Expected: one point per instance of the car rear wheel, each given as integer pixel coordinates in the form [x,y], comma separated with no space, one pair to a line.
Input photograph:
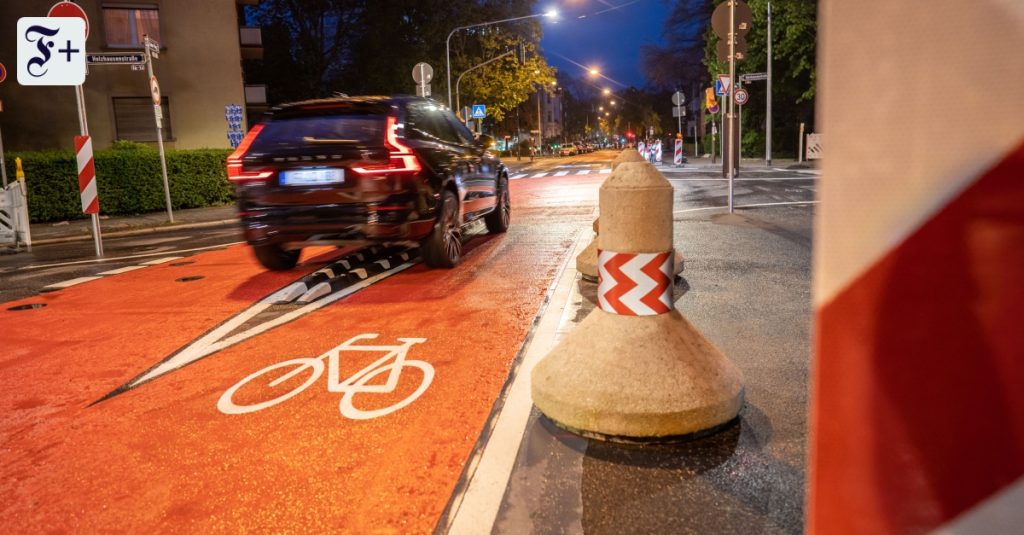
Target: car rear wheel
[498,220]
[276,258]
[443,247]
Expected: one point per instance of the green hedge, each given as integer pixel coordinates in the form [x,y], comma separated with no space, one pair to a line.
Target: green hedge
[129,181]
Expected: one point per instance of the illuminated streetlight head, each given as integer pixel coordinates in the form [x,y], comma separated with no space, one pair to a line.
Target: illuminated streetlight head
[606,91]
[594,71]
[600,108]
[551,13]
[612,103]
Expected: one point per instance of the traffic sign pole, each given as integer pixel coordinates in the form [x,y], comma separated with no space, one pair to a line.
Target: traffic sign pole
[158,116]
[732,77]
[768,125]
[83,127]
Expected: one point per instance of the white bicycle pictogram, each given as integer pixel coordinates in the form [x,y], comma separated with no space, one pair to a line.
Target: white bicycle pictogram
[356,384]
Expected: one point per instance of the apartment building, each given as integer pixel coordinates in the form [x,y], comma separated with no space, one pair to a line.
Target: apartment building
[202,45]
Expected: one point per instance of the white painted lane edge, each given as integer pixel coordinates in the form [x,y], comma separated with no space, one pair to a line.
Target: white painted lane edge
[119,271]
[539,175]
[702,208]
[70,283]
[562,173]
[164,260]
[482,495]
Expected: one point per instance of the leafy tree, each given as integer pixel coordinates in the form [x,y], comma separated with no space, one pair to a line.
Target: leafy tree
[316,47]
[794,29]
[306,45]
[679,64]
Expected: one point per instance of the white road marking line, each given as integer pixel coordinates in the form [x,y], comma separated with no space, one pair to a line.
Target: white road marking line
[738,206]
[214,341]
[562,173]
[584,172]
[605,171]
[119,271]
[479,503]
[538,175]
[129,257]
[517,176]
[164,260]
[771,179]
[70,283]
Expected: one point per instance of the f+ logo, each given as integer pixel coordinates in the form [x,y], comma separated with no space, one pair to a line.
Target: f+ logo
[50,51]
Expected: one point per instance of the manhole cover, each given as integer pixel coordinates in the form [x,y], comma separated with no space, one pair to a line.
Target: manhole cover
[28,306]
[189,279]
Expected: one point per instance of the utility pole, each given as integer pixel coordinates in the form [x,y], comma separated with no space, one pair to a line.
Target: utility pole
[732,80]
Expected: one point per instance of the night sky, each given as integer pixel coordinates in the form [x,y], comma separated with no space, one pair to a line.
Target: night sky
[610,40]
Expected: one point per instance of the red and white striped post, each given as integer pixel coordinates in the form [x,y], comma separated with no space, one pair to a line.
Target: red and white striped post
[87,187]
[917,413]
[677,156]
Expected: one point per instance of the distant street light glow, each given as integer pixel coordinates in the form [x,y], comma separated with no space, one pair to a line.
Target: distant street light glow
[551,13]
[594,71]
[607,91]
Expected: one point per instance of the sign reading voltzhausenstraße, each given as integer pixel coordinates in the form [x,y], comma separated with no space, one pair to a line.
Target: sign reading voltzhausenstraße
[115,59]
[754,77]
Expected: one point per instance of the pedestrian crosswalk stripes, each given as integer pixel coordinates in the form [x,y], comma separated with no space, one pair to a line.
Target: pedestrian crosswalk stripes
[555,172]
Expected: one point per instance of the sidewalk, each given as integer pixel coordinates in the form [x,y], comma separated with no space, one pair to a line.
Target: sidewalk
[79,229]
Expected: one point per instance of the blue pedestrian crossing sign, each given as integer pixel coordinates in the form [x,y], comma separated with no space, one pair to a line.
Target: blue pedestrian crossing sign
[479,111]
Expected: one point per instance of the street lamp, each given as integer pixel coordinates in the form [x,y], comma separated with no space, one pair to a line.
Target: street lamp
[594,72]
[447,43]
[607,91]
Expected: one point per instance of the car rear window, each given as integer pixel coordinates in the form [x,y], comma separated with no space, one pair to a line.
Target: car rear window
[291,132]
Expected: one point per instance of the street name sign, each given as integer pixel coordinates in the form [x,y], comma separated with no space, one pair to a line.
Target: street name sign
[754,77]
[111,58]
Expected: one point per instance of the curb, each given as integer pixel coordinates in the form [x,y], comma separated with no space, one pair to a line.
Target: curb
[134,231]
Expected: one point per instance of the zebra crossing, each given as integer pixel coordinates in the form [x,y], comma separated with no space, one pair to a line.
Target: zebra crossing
[556,172]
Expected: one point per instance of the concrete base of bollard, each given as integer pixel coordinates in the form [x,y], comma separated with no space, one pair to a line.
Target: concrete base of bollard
[649,377]
[586,262]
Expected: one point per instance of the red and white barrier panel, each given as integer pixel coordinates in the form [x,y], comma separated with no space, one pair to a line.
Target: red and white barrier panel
[677,156]
[86,175]
[917,415]
[634,284]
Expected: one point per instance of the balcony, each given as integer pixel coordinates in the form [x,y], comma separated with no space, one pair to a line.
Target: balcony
[250,39]
[256,95]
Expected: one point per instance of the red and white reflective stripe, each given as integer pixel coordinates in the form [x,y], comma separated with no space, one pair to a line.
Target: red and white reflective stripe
[634,284]
[86,175]
[678,156]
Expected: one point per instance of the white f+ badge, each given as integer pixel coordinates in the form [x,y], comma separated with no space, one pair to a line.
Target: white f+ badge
[51,51]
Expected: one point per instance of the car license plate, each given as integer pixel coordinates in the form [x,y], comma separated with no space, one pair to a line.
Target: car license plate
[312,177]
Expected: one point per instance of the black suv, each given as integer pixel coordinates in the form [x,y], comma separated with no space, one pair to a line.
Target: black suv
[362,170]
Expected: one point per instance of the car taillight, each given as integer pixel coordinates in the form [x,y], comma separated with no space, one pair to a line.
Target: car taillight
[235,171]
[401,158]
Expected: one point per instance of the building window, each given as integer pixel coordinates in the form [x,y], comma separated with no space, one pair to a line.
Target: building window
[125,26]
[134,119]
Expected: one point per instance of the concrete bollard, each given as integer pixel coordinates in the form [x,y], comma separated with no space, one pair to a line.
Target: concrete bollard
[635,367]
[586,261]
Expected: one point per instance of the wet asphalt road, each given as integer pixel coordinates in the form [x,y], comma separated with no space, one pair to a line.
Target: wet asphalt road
[27,273]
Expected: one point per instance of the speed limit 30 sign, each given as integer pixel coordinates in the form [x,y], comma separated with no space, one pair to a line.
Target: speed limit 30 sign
[741,97]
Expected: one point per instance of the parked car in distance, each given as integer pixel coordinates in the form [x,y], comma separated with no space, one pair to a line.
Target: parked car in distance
[359,170]
[567,149]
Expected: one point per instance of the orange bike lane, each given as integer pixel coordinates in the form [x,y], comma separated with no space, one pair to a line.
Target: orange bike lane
[163,456]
